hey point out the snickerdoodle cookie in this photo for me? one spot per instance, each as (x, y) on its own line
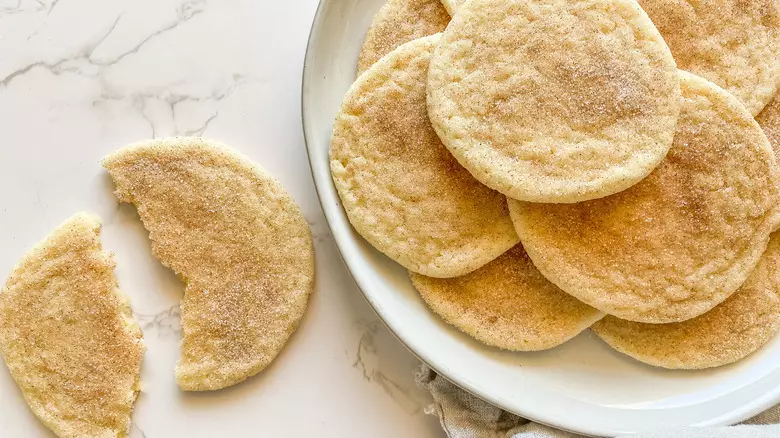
(682, 240)
(554, 100)
(235, 237)
(508, 304)
(400, 187)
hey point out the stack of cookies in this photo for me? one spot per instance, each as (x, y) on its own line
(546, 166)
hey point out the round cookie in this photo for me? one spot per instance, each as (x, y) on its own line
(235, 237)
(68, 336)
(554, 100)
(682, 240)
(732, 330)
(733, 43)
(508, 304)
(400, 187)
(769, 120)
(398, 22)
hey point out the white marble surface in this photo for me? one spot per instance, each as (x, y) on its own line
(80, 78)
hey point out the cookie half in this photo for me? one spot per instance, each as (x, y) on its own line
(235, 237)
(68, 336)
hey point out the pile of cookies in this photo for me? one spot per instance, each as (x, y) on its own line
(546, 166)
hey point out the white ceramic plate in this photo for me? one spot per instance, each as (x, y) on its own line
(582, 386)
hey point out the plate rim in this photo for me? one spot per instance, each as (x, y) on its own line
(759, 405)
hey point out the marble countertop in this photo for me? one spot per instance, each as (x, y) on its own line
(80, 78)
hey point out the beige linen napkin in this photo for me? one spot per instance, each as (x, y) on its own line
(463, 415)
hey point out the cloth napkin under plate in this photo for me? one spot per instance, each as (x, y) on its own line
(463, 415)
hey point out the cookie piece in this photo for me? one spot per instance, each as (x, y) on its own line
(235, 237)
(508, 304)
(401, 189)
(733, 43)
(68, 336)
(554, 100)
(732, 330)
(398, 22)
(682, 240)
